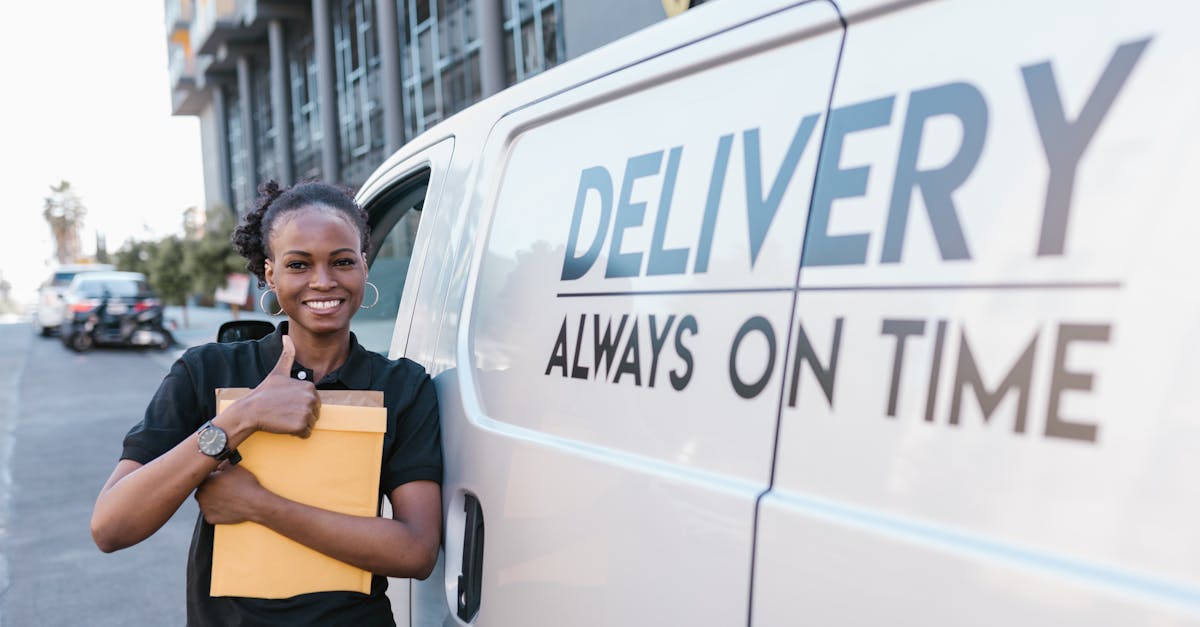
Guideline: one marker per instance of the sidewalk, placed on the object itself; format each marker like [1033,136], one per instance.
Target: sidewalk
[203,323]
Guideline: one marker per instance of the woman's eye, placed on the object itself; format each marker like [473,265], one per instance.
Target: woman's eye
[344,262]
[296,265]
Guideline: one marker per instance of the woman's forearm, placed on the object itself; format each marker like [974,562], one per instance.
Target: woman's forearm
[139,499]
[383,546]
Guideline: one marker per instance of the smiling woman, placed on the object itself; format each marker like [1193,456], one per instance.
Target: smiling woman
[308,244]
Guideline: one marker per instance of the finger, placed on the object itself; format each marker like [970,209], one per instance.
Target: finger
[286,358]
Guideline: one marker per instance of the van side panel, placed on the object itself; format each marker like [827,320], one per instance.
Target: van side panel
[619,363]
[1002,259]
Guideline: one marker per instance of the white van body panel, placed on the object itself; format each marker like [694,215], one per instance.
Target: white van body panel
[1004,433]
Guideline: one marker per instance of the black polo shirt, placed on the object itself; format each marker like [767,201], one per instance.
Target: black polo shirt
[411,451]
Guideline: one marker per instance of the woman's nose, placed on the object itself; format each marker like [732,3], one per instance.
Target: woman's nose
[322,278]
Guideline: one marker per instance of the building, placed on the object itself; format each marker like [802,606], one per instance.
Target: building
[296,89]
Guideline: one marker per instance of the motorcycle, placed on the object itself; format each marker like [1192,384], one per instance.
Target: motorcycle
[116,322]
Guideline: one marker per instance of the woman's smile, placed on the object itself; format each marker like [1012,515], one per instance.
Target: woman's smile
[324,306]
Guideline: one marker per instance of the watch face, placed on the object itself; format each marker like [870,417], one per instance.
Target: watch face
[212,441]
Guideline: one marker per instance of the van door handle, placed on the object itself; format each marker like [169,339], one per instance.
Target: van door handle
[470,578]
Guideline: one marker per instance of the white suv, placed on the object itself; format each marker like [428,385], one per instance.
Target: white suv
[49,313]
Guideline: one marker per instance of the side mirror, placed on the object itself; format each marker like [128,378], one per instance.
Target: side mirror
[241,330]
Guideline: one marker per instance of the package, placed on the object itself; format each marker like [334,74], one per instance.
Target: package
[336,468]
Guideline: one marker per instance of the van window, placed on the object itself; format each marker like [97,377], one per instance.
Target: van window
[394,223]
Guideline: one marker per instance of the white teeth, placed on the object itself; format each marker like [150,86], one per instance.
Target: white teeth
[323,304]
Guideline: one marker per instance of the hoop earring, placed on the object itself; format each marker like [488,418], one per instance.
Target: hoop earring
[374,302]
[262,304]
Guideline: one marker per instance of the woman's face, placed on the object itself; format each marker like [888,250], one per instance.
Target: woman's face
[317,268]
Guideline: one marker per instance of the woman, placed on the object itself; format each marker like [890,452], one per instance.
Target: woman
[308,243]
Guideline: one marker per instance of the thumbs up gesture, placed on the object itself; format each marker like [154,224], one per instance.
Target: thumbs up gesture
[281,404]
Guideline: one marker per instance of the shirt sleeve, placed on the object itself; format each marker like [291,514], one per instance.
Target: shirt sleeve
[416,453]
[172,415]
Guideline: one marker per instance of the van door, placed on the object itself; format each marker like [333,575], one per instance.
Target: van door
[991,420]
[401,203]
[620,351]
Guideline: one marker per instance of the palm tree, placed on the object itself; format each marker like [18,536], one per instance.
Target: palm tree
[64,211]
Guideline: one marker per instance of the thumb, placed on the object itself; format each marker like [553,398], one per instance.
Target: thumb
[286,358]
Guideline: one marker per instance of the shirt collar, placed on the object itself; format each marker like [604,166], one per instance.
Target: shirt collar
[355,374]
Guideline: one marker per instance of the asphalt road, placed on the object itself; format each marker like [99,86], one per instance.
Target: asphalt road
[62,418]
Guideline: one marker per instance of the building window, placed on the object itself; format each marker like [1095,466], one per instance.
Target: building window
[306,119]
[265,130]
[440,60]
[235,136]
[360,111]
[533,40]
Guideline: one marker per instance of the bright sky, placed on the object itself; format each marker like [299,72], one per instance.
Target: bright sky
[87,99]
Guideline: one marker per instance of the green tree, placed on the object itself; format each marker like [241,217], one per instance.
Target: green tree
[167,274]
[135,256]
[211,259]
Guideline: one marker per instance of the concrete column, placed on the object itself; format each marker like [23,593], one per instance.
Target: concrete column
[387,26]
[491,46]
[222,124]
[326,91]
[246,110]
[281,102]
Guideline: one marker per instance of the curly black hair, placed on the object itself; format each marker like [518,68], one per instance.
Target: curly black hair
[251,238]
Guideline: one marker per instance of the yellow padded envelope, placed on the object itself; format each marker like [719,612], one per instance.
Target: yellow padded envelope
[336,468]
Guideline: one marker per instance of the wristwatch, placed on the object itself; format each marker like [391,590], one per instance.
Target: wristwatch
[214,442]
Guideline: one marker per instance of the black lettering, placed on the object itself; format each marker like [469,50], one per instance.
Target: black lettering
[606,348]
[687,323]
[657,341]
[901,329]
[750,390]
[935,371]
[805,352]
[1063,141]
[631,359]
[577,371]
[1019,376]
[1063,379]
[558,358]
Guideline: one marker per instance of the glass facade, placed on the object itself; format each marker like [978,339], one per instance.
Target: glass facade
[239,161]
[440,64]
[533,40]
[265,130]
[306,119]
[360,111]
[440,73]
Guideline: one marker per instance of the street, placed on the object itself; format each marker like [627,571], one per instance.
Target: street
[62,419]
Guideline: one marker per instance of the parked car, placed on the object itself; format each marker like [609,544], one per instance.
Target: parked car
[114,308]
[48,312]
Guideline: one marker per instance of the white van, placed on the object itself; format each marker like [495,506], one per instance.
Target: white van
[776,313]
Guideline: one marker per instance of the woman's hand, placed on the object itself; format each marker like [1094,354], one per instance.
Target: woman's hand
[281,404]
[230,495]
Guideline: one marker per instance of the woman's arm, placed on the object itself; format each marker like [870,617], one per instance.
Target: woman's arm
[404,546]
[138,499]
